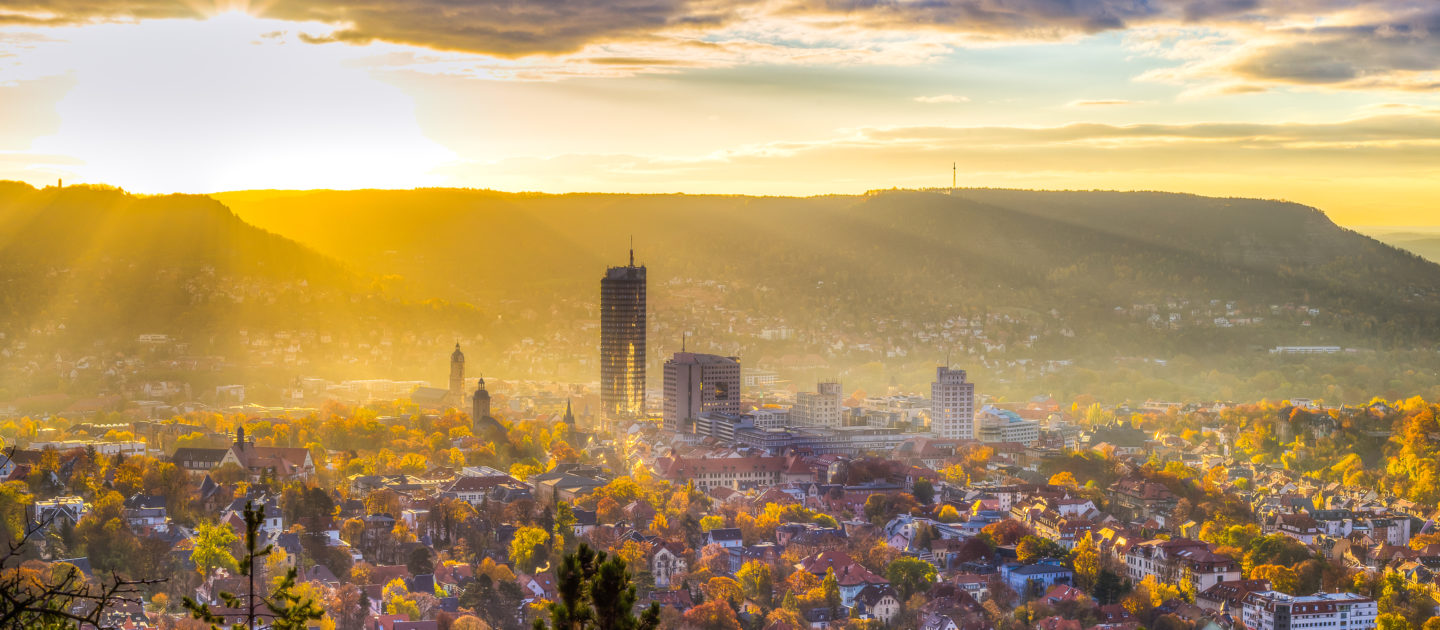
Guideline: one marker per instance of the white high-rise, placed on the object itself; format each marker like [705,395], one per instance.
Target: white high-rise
[819,408]
[952,405]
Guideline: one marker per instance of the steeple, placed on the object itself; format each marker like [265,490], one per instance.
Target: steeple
[569,416]
[480,403]
[456,396]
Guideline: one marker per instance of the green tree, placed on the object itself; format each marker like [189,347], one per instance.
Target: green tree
[419,562]
[910,576]
[596,593]
[291,608]
[564,528]
[212,548]
[758,581]
[1275,549]
[924,491]
[1034,548]
[1109,588]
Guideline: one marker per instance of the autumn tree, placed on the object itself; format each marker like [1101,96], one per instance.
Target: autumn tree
[1006,532]
[527,548]
[1283,579]
[1086,561]
[715,614]
[830,586]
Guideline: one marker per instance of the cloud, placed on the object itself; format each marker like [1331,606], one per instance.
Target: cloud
[1100,103]
[942,98]
[494,27]
[1251,44]
[1336,165]
[1402,143]
[1391,45]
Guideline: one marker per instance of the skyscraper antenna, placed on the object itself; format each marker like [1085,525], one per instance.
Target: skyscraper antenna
[682,341]
[632,250]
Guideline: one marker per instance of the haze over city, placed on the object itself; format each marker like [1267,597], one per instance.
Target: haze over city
[720,315]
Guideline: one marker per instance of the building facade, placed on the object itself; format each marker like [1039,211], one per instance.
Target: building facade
[699,383]
[1003,425]
[1273,610]
[622,341]
[820,408]
[952,405]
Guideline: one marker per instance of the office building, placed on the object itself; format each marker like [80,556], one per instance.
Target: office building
[622,341]
[696,383]
[820,408]
[952,405]
[1003,425]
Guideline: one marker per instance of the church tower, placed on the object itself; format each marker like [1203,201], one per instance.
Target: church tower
[480,403]
[457,377]
[483,426]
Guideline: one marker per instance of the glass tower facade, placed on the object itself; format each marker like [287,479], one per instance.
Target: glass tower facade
[622,341]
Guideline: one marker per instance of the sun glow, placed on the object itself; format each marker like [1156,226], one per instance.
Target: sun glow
[233,101]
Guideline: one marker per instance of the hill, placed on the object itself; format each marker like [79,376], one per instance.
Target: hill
[905,254]
[86,270]
[1426,243]
[1121,294]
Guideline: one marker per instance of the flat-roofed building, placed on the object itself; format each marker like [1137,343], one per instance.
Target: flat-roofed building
[698,383]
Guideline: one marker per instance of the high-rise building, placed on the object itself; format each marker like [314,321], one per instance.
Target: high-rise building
[952,405]
[820,408]
[622,340]
[696,383]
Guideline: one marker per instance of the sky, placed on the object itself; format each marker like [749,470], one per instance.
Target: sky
[1331,103]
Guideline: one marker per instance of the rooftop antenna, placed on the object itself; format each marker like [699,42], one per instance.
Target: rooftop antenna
[682,341]
[632,250]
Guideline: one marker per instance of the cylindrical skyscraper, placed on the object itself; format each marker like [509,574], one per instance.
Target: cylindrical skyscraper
[622,340]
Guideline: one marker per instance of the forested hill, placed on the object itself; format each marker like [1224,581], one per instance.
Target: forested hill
[90,263]
[1424,242]
[899,253]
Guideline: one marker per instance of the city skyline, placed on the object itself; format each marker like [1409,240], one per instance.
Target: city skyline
[967,314]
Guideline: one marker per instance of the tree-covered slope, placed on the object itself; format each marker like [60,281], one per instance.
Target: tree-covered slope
[900,253]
